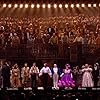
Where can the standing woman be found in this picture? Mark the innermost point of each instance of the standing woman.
(34, 71)
(15, 76)
(87, 76)
(66, 78)
(55, 73)
(25, 75)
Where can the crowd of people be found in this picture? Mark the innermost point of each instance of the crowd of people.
(56, 95)
(69, 77)
(53, 32)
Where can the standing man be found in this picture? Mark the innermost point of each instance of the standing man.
(53, 41)
(34, 71)
(55, 73)
(1, 74)
(45, 72)
(25, 75)
(96, 74)
(6, 75)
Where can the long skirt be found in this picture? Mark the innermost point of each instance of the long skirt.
(87, 80)
(66, 81)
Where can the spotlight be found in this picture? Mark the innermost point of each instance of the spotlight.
(43, 5)
(77, 5)
(49, 6)
(94, 5)
(26, 5)
(4, 5)
(83, 5)
(21, 5)
(9, 5)
(89, 5)
(99, 5)
(72, 5)
(32, 5)
(38, 6)
(55, 5)
(60, 5)
(15, 5)
(66, 5)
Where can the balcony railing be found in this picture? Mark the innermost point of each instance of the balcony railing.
(46, 50)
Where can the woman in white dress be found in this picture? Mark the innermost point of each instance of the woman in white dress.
(87, 76)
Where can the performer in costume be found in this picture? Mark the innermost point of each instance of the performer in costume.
(15, 76)
(34, 71)
(77, 76)
(55, 73)
(66, 78)
(45, 72)
(96, 74)
(1, 80)
(6, 74)
(87, 76)
(25, 75)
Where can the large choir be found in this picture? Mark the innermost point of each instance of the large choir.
(69, 77)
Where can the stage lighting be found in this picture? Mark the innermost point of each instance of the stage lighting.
(94, 5)
(9, 6)
(4, 5)
(83, 5)
(66, 5)
(49, 6)
(77, 5)
(32, 5)
(55, 5)
(89, 5)
(26, 5)
(99, 5)
(72, 5)
(38, 6)
(60, 5)
(15, 5)
(21, 5)
(43, 5)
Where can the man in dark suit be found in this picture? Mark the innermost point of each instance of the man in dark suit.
(6, 75)
(96, 74)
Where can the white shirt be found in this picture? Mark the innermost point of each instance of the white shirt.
(55, 70)
(45, 70)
